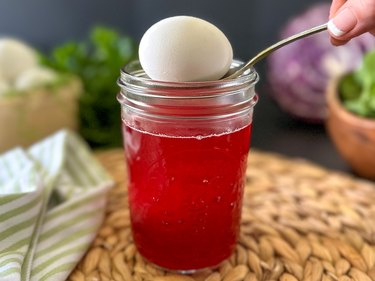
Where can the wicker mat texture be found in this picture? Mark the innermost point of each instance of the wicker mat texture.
(300, 222)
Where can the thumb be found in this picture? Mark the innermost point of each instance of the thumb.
(352, 19)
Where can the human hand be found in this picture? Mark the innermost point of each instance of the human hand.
(350, 18)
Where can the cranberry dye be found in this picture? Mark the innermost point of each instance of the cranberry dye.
(185, 195)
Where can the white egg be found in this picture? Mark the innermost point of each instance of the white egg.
(184, 49)
(35, 77)
(15, 58)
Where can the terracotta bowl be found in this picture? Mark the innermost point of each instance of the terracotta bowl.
(353, 136)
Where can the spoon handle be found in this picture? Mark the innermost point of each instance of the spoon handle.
(276, 46)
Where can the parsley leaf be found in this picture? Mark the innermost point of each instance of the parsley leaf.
(97, 61)
(357, 89)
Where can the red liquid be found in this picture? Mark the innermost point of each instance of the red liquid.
(185, 196)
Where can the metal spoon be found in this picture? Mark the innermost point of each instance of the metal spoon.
(235, 72)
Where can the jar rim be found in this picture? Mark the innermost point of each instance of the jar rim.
(133, 75)
(186, 100)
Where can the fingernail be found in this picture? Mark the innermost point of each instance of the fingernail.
(342, 23)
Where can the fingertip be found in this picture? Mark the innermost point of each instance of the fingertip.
(334, 30)
(342, 23)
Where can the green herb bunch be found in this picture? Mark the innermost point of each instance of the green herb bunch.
(97, 61)
(357, 89)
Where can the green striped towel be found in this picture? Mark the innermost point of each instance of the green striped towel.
(52, 202)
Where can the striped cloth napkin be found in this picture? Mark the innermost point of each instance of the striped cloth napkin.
(52, 202)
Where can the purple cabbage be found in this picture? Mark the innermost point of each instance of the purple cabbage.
(299, 72)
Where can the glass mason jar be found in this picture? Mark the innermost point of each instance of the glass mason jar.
(186, 147)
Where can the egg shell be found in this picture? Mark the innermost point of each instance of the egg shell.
(15, 58)
(184, 49)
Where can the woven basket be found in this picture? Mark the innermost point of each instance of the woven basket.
(299, 222)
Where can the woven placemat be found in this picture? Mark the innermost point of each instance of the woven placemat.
(299, 222)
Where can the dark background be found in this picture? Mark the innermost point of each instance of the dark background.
(250, 25)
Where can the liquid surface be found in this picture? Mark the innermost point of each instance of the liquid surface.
(185, 196)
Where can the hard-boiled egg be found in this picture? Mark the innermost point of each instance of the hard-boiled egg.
(183, 49)
(15, 58)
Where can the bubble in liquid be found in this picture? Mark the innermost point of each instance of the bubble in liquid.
(164, 223)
